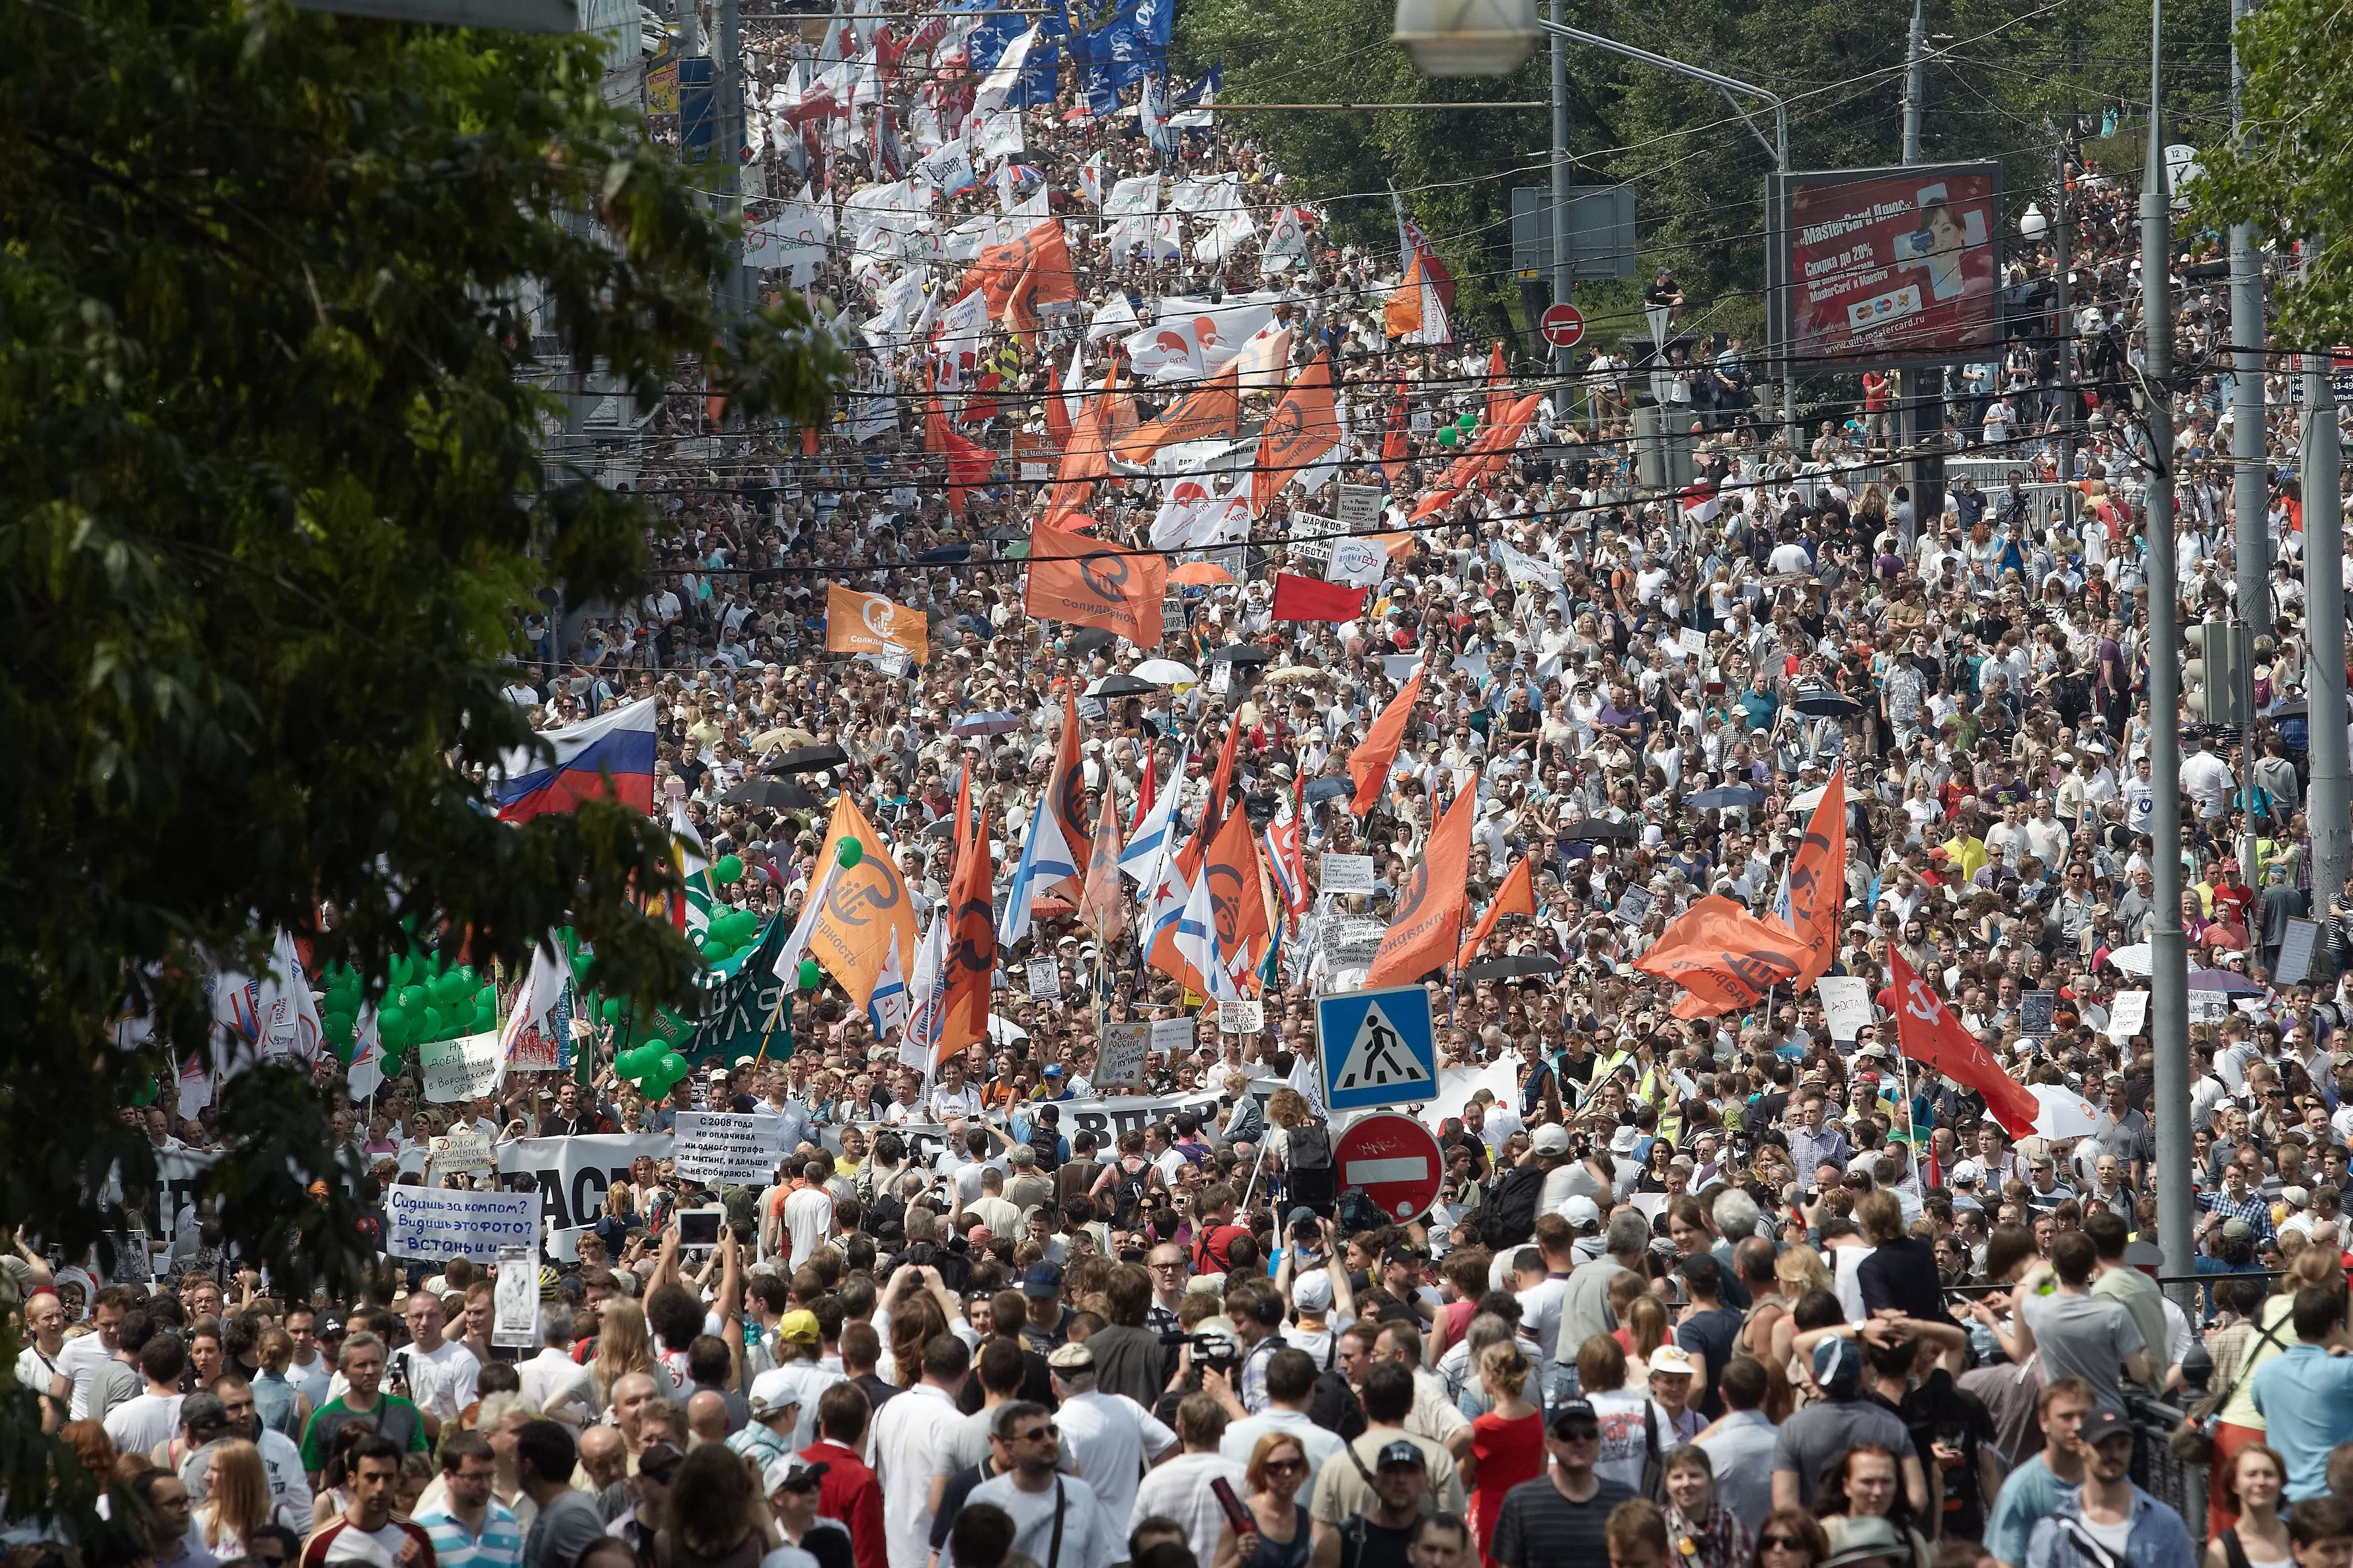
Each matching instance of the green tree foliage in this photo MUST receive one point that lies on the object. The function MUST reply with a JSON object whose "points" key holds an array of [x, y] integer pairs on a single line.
{"points": [[270, 503], [2292, 178]]}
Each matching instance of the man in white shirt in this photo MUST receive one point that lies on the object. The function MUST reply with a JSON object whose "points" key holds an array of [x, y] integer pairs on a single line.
{"points": [[554, 1384], [911, 1435], [2208, 779], [81, 1359], [1180, 1489], [1290, 1386], [440, 1372], [1114, 1436], [137, 1426], [952, 1096], [808, 1213], [1042, 1503]]}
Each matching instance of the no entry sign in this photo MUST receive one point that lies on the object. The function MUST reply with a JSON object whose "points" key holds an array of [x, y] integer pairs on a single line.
{"points": [[1563, 326], [1395, 1159]]}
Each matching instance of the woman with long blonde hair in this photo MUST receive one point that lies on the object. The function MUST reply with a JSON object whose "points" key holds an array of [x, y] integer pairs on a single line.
{"points": [[236, 1499], [623, 1345]]}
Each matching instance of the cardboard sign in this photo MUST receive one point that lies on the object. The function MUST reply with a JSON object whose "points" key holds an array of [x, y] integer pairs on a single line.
{"points": [[459, 1153], [1634, 906], [1170, 1036], [721, 1148], [1045, 980], [1360, 506], [514, 1299], [2296, 952], [2208, 1006], [2129, 1015], [1246, 1015], [1119, 1061], [438, 1224], [459, 1070], [1846, 1004], [2035, 1012], [1345, 874], [1691, 640]]}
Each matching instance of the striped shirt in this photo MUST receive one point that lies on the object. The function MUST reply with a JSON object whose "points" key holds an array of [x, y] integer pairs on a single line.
{"points": [[454, 1546]]}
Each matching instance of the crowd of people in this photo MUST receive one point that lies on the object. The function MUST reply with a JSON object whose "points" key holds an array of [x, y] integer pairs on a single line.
{"points": [[1743, 1289]]}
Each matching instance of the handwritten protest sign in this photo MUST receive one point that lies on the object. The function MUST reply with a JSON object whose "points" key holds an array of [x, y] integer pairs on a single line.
{"points": [[723, 1148], [441, 1222]]}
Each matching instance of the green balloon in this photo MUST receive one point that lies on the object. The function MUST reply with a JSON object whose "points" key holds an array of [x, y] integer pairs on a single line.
{"points": [[465, 972], [728, 871], [399, 970], [390, 1029], [486, 1016], [1447, 434], [412, 998], [611, 1011], [630, 1064], [435, 1021], [719, 952], [580, 963], [1468, 422], [673, 1065], [741, 926], [810, 975], [849, 853]]}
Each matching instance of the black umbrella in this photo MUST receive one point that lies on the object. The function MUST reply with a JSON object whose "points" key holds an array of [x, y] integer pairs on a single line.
{"points": [[808, 760], [2298, 708], [1122, 685], [1518, 966], [1326, 789], [1086, 641], [1241, 653], [1596, 830], [1724, 795], [770, 795], [1824, 703]]}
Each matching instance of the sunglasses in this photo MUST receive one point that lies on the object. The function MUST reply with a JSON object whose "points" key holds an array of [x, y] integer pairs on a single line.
{"points": [[1035, 1434], [1580, 1434], [1285, 1467], [1781, 1543]]}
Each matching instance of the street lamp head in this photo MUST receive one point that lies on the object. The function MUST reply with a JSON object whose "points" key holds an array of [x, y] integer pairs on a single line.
{"points": [[1466, 37], [2033, 224]]}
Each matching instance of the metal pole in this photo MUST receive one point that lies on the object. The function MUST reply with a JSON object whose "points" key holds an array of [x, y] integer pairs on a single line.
{"points": [[1789, 287], [2250, 530], [2061, 226], [2324, 608], [1916, 82], [734, 297], [2168, 953], [1561, 282]]}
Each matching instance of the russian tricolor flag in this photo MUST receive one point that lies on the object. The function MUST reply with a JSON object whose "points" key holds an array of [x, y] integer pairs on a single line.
{"points": [[619, 743]]}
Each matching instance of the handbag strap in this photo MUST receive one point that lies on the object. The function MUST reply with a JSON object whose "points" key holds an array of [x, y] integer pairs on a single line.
{"points": [[1062, 1503], [2270, 1335]]}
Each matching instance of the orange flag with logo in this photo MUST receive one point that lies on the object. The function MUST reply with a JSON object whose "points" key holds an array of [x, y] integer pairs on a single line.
{"points": [[972, 944], [1517, 896], [1304, 428], [1427, 929], [1213, 408], [1817, 883], [1721, 954], [1236, 901], [869, 623], [1086, 583], [1042, 253], [866, 906], [1102, 906], [1368, 763]]}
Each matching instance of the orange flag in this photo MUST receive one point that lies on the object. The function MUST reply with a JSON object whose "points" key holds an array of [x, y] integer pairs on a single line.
{"points": [[1043, 252], [1304, 428], [1081, 581], [1213, 408], [1721, 954], [1368, 763], [1213, 813], [1401, 312], [972, 945], [1499, 396], [1817, 883], [869, 623], [1516, 896], [1236, 901], [1084, 458], [1103, 904], [866, 907], [1427, 929]]}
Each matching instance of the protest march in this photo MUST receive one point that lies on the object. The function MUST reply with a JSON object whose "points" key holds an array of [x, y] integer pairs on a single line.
{"points": [[1306, 959]]}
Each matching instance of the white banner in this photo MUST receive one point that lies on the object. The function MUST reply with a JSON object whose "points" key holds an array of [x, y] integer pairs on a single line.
{"points": [[441, 1222], [723, 1149]]}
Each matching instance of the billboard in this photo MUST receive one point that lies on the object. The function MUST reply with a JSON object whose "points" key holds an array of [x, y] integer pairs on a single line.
{"points": [[1875, 265]]}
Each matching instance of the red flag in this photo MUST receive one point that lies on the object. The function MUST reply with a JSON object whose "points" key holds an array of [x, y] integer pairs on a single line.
{"points": [[1428, 927], [1298, 598], [968, 462], [1517, 896], [1290, 868], [1146, 793], [1818, 882], [1066, 802], [1368, 763], [1043, 252], [1930, 1033], [1395, 446]]}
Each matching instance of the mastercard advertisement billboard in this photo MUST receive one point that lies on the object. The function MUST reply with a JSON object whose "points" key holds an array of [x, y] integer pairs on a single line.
{"points": [[1876, 266]]}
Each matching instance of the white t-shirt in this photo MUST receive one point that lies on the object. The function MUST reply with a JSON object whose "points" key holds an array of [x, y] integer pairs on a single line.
{"points": [[1112, 1437], [808, 1220], [550, 1373], [440, 1382], [1090, 1539], [80, 1360], [136, 1425]]}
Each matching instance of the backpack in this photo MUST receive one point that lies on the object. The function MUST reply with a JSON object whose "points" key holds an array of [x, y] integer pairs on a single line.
{"points": [[1046, 1143], [1508, 1217], [1129, 1190], [1309, 1177], [1334, 1405]]}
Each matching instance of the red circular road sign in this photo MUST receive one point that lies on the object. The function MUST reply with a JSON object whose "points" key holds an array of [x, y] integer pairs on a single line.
{"points": [[1395, 1159], [1563, 326]]}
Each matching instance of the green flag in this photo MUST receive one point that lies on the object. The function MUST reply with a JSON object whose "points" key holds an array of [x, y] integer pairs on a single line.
{"points": [[739, 997]]}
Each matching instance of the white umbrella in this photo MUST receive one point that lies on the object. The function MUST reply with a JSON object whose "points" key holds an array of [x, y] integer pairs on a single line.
{"points": [[1164, 672], [2134, 960], [2064, 1114], [1806, 800], [1005, 1031]]}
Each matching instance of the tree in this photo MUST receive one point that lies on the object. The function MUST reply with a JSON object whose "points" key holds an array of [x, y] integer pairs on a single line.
{"points": [[2291, 178], [272, 502]]}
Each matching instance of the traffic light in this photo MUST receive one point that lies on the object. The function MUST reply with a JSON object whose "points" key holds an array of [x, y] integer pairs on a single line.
{"points": [[2212, 677]]}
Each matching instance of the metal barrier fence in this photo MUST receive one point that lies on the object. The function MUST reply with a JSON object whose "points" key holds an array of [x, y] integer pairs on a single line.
{"points": [[2157, 1469]]}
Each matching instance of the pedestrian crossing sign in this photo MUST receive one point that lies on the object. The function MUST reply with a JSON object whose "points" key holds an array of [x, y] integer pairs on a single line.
{"points": [[1377, 1048]]}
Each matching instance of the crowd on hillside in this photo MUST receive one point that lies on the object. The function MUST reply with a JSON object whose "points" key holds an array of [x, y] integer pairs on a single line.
{"points": [[1734, 1289]]}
